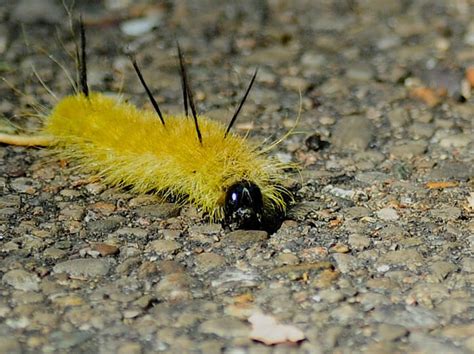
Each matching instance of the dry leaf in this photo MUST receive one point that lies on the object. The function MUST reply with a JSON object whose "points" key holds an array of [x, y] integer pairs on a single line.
{"points": [[267, 330], [335, 223], [427, 95], [470, 75], [104, 249], [244, 298], [441, 185]]}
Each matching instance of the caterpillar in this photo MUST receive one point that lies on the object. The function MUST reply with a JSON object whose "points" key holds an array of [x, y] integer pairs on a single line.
{"points": [[189, 158]]}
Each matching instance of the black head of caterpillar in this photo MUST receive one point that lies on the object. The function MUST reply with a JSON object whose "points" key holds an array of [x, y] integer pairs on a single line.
{"points": [[244, 205]]}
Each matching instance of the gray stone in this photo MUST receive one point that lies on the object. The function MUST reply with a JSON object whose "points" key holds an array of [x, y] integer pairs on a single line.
{"points": [[21, 280], [345, 262], [139, 26], [412, 318], [159, 211], [297, 84], [391, 332], [226, 327], [67, 340], [54, 253], [207, 261], [24, 185], [163, 246], [421, 130], [456, 141], [458, 331], [388, 42], [333, 335], [453, 307], [287, 258], [234, 279], [426, 344], [359, 242], [7, 213], [331, 296], [132, 231], [451, 170], [409, 149], [360, 72], [356, 212], [334, 87], [398, 117], [371, 177], [446, 214], [279, 55], [372, 300], [174, 287], [313, 60], [388, 214], [408, 257], [440, 270], [107, 225], [246, 237], [10, 201], [207, 230], [84, 267], [303, 208], [352, 133], [345, 313]]}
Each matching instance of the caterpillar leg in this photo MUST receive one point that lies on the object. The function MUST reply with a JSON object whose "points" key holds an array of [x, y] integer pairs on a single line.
{"points": [[26, 140]]}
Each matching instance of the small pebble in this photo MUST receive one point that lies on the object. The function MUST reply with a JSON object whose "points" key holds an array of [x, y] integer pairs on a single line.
{"points": [[21, 280], [163, 246], [83, 267], [388, 214]]}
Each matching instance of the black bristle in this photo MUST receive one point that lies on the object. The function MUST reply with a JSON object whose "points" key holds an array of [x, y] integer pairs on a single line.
{"points": [[83, 59], [234, 118], [145, 86], [187, 92], [183, 80]]}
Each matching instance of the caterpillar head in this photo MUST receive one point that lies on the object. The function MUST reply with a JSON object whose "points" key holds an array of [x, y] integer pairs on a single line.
{"points": [[244, 205]]}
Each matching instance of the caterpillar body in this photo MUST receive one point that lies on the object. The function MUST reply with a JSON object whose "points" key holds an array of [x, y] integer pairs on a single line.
{"points": [[194, 160]]}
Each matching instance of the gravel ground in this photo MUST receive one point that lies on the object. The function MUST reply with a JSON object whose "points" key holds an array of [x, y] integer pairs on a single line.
{"points": [[376, 254]]}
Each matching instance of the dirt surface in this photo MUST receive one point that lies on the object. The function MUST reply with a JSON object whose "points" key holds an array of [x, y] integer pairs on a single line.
{"points": [[375, 255]]}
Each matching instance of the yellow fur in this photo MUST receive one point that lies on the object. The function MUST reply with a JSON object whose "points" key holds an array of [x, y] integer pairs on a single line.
{"points": [[130, 147]]}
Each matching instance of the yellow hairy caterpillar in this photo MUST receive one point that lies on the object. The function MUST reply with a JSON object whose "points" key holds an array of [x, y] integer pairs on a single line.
{"points": [[189, 158]]}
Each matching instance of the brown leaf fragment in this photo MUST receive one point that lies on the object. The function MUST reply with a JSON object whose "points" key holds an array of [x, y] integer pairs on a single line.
{"points": [[470, 76], [427, 95], [441, 185], [335, 223], [105, 249]]}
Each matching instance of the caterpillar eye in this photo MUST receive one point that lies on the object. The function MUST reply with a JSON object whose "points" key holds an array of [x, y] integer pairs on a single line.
{"points": [[244, 205]]}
